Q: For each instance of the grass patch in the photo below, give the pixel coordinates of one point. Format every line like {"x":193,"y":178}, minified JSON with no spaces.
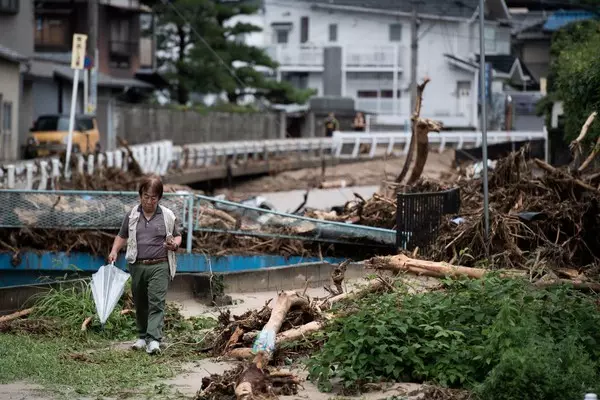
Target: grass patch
{"x":69,"y":368}
{"x":500,"y":338}
{"x":49,"y":348}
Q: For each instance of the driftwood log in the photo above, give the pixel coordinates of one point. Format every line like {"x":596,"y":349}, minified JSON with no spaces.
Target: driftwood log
{"x":253,"y":380}
{"x":15,"y":315}
{"x":403,"y":263}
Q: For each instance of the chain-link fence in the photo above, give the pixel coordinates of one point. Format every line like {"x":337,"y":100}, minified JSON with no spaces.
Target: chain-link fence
{"x":69,"y":210}
{"x":76,"y":209}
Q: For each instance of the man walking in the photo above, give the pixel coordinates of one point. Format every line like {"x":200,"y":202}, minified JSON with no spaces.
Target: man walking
{"x":152,"y":237}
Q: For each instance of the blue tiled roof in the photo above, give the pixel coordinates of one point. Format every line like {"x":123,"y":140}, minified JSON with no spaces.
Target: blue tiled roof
{"x":561,"y":18}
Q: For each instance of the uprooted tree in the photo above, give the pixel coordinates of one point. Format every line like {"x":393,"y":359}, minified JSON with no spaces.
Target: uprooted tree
{"x":419,"y":140}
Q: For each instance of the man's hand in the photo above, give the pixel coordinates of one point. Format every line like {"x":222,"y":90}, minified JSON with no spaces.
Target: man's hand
{"x":112,"y":257}
{"x":172,"y":243}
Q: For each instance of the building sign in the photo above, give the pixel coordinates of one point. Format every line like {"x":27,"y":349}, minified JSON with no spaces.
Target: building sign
{"x":488,"y":83}
{"x":78,"y":52}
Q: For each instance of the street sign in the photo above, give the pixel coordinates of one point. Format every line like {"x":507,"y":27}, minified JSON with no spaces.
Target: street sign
{"x":78,"y":51}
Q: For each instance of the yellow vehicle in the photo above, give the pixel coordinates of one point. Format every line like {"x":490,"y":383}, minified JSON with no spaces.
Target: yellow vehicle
{"x":50,"y":133}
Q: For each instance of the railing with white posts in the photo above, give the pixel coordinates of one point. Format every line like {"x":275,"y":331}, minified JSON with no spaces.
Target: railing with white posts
{"x":459,"y":139}
{"x":158,"y":158}
{"x":163,"y":157}
{"x":42,"y":173}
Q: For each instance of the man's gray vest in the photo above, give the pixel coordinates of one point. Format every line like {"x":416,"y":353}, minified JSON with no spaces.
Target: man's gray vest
{"x":134,"y":217}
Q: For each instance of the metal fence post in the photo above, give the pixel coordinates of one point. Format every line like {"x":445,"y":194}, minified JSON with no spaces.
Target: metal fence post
{"x":190,"y":232}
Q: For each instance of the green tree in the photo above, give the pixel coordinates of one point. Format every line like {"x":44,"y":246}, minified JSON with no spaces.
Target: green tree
{"x":203,"y":53}
{"x":574,"y":76}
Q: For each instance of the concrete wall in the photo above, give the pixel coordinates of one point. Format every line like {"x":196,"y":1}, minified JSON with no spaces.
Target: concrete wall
{"x":139,"y":124}
{"x":10,"y":90}
{"x":16,"y":31}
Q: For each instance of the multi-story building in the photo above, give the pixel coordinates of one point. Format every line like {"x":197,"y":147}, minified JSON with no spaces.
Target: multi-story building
{"x":126,"y":56}
{"x":374,"y":37}
{"x":16,"y":47}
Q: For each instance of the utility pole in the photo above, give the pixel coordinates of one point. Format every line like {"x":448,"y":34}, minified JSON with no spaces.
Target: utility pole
{"x":414,"y":56}
{"x":92,"y":52}
{"x":483,"y":95}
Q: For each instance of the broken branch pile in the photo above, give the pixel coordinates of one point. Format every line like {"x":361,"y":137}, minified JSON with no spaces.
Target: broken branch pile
{"x":537,"y":218}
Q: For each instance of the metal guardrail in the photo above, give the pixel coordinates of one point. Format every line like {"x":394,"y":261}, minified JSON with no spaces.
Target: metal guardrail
{"x":163,"y":157}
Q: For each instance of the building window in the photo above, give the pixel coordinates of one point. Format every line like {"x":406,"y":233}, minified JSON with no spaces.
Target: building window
{"x":52,"y":31}
{"x":489,"y":34}
{"x":121,"y":46}
{"x":281,"y":36}
{"x":333,"y":31}
{"x":6,"y":117}
{"x":372,"y":94}
{"x":388,"y":94}
{"x":367,"y":94}
{"x":9,"y":6}
{"x":395,"y":32}
{"x":303,"y":29}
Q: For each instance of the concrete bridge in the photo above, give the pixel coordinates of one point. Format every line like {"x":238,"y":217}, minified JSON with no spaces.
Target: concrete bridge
{"x":200,"y":162}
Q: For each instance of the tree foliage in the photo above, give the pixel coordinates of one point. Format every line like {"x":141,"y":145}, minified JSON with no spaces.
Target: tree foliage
{"x":501,"y":338}
{"x":574,"y":76}
{"x":204,"y":53}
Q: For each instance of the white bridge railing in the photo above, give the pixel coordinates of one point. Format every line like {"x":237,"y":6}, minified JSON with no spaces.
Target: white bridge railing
{"x":163,"y":157}
{"x":459,"y":140}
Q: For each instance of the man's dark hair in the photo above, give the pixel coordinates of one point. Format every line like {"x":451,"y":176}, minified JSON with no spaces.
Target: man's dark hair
{"x":152,"y":184}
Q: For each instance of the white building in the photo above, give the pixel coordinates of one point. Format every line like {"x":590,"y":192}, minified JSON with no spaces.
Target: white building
{"x":375,"y":41}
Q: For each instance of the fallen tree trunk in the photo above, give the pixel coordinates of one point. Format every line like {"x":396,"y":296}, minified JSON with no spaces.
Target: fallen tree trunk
{"x":443,"y":270}
{"x":253,"y":380}
{"x":16,"y":315}
{"x":404,"y":263}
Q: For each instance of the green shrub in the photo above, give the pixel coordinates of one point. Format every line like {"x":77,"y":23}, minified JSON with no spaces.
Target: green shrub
{"x":465,"y":336}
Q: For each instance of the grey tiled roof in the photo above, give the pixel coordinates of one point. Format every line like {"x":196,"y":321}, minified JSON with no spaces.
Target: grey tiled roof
{"x":48,"y":69}
{"x":449,"y":8}
{"x":11,"y":55}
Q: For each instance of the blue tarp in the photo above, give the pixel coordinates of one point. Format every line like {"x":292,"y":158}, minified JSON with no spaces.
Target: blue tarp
{"x":560,"y":19}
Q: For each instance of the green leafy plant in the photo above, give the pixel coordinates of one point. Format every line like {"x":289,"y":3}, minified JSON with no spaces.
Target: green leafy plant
{"x":467,"y":336}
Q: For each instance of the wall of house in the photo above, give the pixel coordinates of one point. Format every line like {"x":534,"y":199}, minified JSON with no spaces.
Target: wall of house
{"x":23,"y":23}
{"x":105,"y":16}
{"x":536,"y":56}
{"x":353,"y":28}
{"x":10,"y":82}
{"x":366,"y":31}
{"x":25,"y":110}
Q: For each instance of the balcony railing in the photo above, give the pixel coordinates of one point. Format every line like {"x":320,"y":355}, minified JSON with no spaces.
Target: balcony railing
{"x":375,"y":57}
{"x":297,"y":56}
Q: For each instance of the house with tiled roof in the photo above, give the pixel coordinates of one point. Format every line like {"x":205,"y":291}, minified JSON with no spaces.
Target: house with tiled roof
{"x":533,"y":30}
{"x":372,"y":51}
{"x":15,"y":94}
